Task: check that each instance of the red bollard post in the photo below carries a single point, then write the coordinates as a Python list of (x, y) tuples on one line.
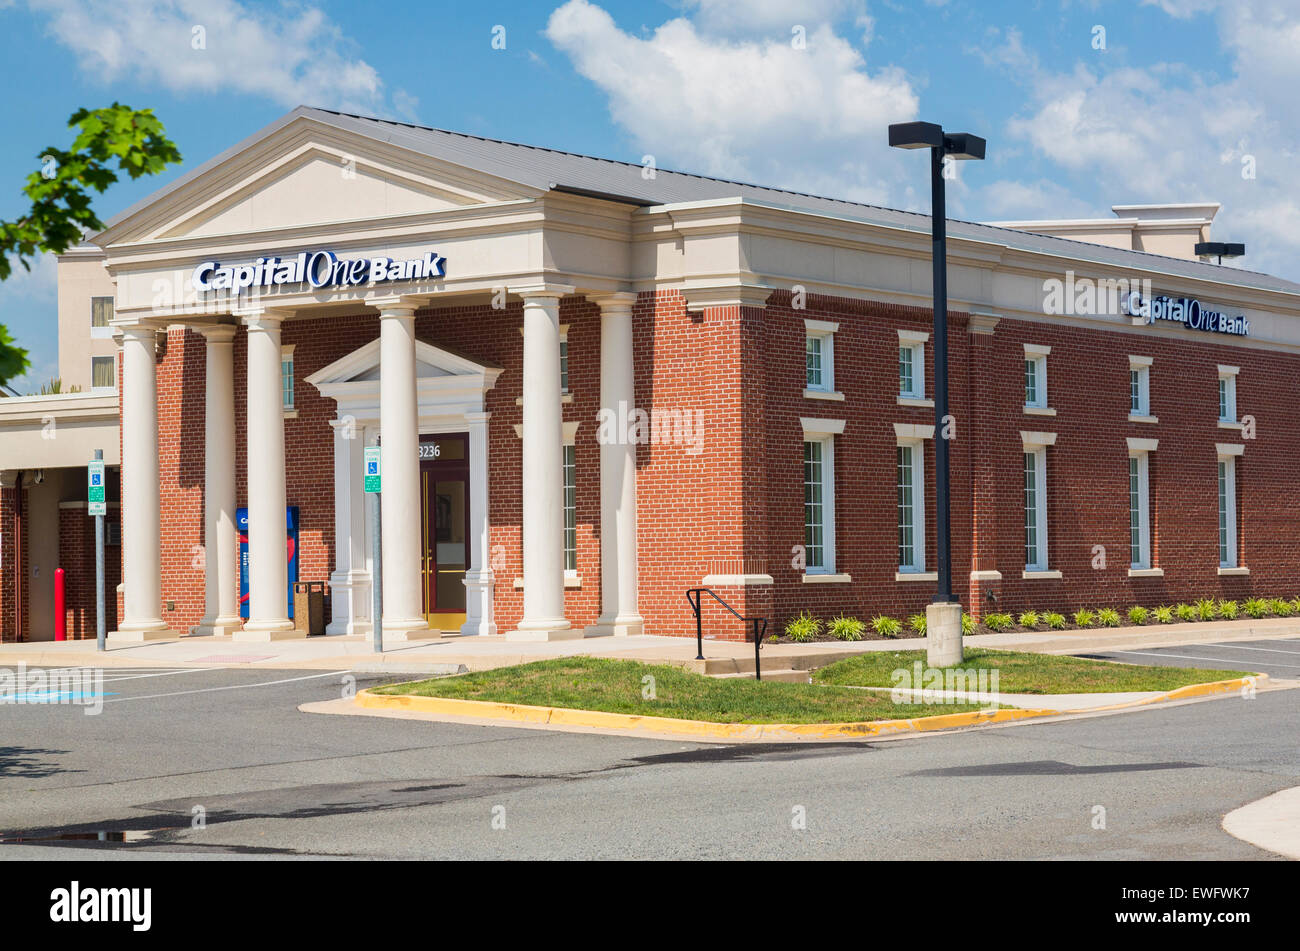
[(60, 615)]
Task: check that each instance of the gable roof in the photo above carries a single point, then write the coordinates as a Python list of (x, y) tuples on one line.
[(552, 170)]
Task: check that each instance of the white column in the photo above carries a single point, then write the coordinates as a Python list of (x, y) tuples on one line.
[(618, 581), (543, 472), (479, 579), (350, 580), (141, 518), (268, 568), (399, 440), (220, 537)]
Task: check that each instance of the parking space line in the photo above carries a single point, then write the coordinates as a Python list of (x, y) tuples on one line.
[(1214, 660), (267, 683)]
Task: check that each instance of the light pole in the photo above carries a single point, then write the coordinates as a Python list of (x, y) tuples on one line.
[(943, 616)]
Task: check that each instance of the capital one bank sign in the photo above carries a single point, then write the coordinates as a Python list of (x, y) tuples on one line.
[(319, 269), (1185, 310)]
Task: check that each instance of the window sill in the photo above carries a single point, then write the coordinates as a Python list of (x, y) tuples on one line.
[(1241, 570), (915, 401), (1039, 411), (826, 578), (1229, 424), (564, 398), (1035, 574), (1146, 572), (1135, 418), (811, 394), (291, 414), (570, 581), (916, 576)]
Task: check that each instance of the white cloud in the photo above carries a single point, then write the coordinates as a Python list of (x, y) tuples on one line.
[(756, 108), (1009, 200), (1167, 133), (290, 54)]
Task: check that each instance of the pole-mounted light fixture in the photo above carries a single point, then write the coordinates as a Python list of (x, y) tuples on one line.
[(1219, 249), (958, 145)]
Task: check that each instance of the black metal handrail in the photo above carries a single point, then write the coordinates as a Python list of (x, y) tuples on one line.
[(759, 632)]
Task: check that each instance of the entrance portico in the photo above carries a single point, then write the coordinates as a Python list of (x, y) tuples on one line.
[(273, 234)]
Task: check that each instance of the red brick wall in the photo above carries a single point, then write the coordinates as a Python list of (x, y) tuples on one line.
[(77, 559), (866, 502), (737, 506), (8, 569)]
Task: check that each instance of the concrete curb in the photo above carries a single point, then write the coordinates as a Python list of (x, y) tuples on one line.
[(1271, 823), (602, 721)]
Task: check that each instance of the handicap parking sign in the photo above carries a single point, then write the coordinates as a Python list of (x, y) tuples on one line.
[(372, 469)]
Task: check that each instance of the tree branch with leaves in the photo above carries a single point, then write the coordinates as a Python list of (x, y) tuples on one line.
[(110, 142)]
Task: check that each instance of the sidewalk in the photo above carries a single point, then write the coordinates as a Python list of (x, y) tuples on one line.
[(453, 654)]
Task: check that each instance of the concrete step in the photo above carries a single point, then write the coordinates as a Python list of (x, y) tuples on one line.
[(777, 675), (809, 660)]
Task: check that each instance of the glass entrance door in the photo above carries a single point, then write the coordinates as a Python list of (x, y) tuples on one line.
[(444, 505)]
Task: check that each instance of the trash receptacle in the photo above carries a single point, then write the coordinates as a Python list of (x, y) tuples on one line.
[(309, 607)]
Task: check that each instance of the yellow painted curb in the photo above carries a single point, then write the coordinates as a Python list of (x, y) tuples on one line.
[(601, 720)]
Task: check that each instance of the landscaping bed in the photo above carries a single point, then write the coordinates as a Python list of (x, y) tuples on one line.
[(1022, 672), (617, 686), (807, 628)]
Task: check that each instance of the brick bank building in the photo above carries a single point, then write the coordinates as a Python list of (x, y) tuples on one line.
[(594, 386)]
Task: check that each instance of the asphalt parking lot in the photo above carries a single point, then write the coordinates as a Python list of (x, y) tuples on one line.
[(1279, 659)]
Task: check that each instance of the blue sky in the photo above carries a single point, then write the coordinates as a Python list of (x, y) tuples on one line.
[(1182, 90)]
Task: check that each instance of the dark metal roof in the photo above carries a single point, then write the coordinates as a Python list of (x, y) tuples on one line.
[(550, 169)]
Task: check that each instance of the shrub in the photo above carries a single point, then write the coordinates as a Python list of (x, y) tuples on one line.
[(1281, 607), (1054, 621), (1228, 609), (998, 622), (917, 623), (846, 628), (1083, 617), (803, 628), (886, 626), (1206, 609), (1029, 619), (1164, 614), (1108, 617), (967, 625), (1185, 612), (1256, 607), (1138, 615), (1295, 605)]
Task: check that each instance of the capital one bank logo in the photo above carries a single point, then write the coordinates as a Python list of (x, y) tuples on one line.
[(318, 269)]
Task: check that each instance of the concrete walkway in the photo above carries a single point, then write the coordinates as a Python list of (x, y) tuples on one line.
[(452, 654)]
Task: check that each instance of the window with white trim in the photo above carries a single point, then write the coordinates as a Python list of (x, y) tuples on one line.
[(911, 364), (1227, 512), (911, 506), (819, 355), (814, 513), (286, 378), (101, 311), (1036, 376), (570, 508), (1035, 508), (564, 359), (819, 504), (103, 372), (1139, 380), (1227, 394), (1139, 511)]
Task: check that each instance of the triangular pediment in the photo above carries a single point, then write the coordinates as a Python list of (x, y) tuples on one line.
[(431, 363), (306, 173)]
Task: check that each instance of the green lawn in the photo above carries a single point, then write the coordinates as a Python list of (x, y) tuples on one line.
[(1020, 672), (590, 683)]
